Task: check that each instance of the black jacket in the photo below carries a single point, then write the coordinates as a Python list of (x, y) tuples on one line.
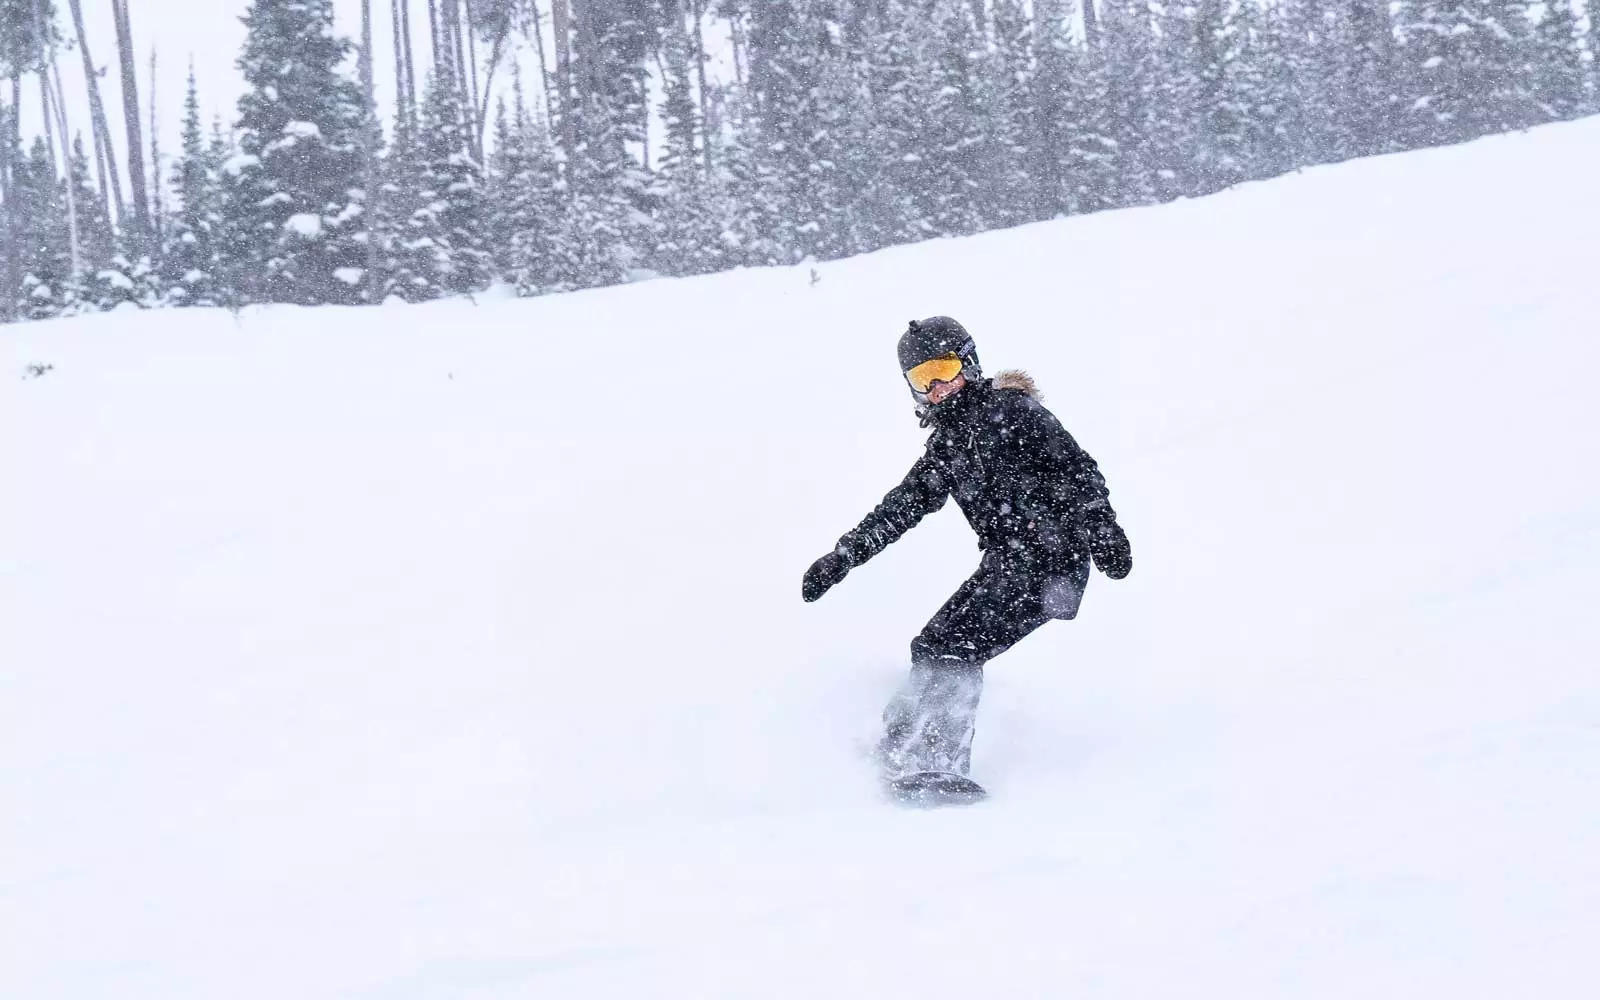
[(1023, 483)]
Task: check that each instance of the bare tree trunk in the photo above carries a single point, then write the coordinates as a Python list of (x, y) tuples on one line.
[(545, 82), (736, 26), (47, 110), (587, 46), (697, 11), (433, 32), (402, 112), (561, 15), (105, 155), (158, 204), (75, 244), (472, 67), (8, 173), (1091, 25), (45, 103), (469, 107), (130, 114), (488, 87), (369, 152), (75, 241), (411, 63)]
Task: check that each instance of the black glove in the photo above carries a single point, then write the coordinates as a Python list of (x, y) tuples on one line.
[(1108, 547), (822, 575)]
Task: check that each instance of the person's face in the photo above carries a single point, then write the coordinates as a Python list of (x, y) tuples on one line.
[(938, 392)]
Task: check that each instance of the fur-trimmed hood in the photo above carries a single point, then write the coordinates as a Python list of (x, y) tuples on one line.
[(1016, 378)]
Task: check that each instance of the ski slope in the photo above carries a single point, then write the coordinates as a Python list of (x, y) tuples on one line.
[(457, 651)]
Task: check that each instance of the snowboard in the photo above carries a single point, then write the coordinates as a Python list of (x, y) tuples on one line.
[(928, 789)]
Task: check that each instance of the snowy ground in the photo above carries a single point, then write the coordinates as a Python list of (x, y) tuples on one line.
[(457, 652)]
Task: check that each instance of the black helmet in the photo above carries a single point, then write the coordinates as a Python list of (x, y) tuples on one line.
[(936, 337)]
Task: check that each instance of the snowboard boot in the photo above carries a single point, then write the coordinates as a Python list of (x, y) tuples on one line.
[(928, 725)]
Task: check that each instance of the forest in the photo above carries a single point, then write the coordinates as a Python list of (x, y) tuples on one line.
[(611, 154)]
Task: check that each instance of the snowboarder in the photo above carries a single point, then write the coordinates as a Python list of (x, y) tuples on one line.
[(1040, 509)]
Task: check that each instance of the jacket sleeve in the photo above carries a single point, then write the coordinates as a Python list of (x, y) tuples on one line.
[(922, 492), (1076, 485)]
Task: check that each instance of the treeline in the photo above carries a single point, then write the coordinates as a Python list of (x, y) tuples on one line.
[(845, 126)]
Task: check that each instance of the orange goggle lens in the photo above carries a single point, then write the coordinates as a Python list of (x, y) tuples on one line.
[(943, 369)]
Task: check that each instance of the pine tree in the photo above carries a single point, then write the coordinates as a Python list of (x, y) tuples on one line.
[(1096, 161), (959, 115), (1222, 156), (1593, 104), (1469, 65), (787, 45), (1006, 197), (189, 264), (611, 222), (687, 240), (450, 217), (1363, 95), (1279, 52), (745, 199), (530, 201), (96, 238), (128, 280), (41, 237), (679, 115), (1128, 56), (1055, 83), (614, 201), (846, 190), (293, 195), (406, 228), (1559, 87)]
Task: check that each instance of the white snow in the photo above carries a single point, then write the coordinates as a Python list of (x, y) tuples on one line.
[(116, 279), (457, 651), (305, 224), (239, 163)]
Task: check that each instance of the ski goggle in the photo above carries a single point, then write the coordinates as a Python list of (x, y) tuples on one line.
[(943, 369)]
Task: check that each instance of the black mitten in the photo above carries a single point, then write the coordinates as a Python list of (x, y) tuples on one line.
[(822, 575), (1108, 547)]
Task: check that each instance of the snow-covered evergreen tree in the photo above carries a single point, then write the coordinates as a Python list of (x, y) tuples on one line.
[(1592, 8), (1096, 160), (41, 238), (1357, 74), (680, 117), (1175, 119), (1055, 83), (128, 280), (528, 205), (1133, 78), (959, 111), (1222, 112), (1468, 67), (293, 197), (745, 198), (1559, 87), (448, 221), (1007, 195), (789, 43), (189, 262), (96, 237), (687, 239)]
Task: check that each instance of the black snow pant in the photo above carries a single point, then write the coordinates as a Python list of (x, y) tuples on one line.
[(929, 723)]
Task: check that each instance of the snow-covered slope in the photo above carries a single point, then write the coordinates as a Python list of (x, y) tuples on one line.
[(458, 651)]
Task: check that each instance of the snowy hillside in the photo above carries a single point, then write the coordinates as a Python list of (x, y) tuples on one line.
[(458, 652)]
